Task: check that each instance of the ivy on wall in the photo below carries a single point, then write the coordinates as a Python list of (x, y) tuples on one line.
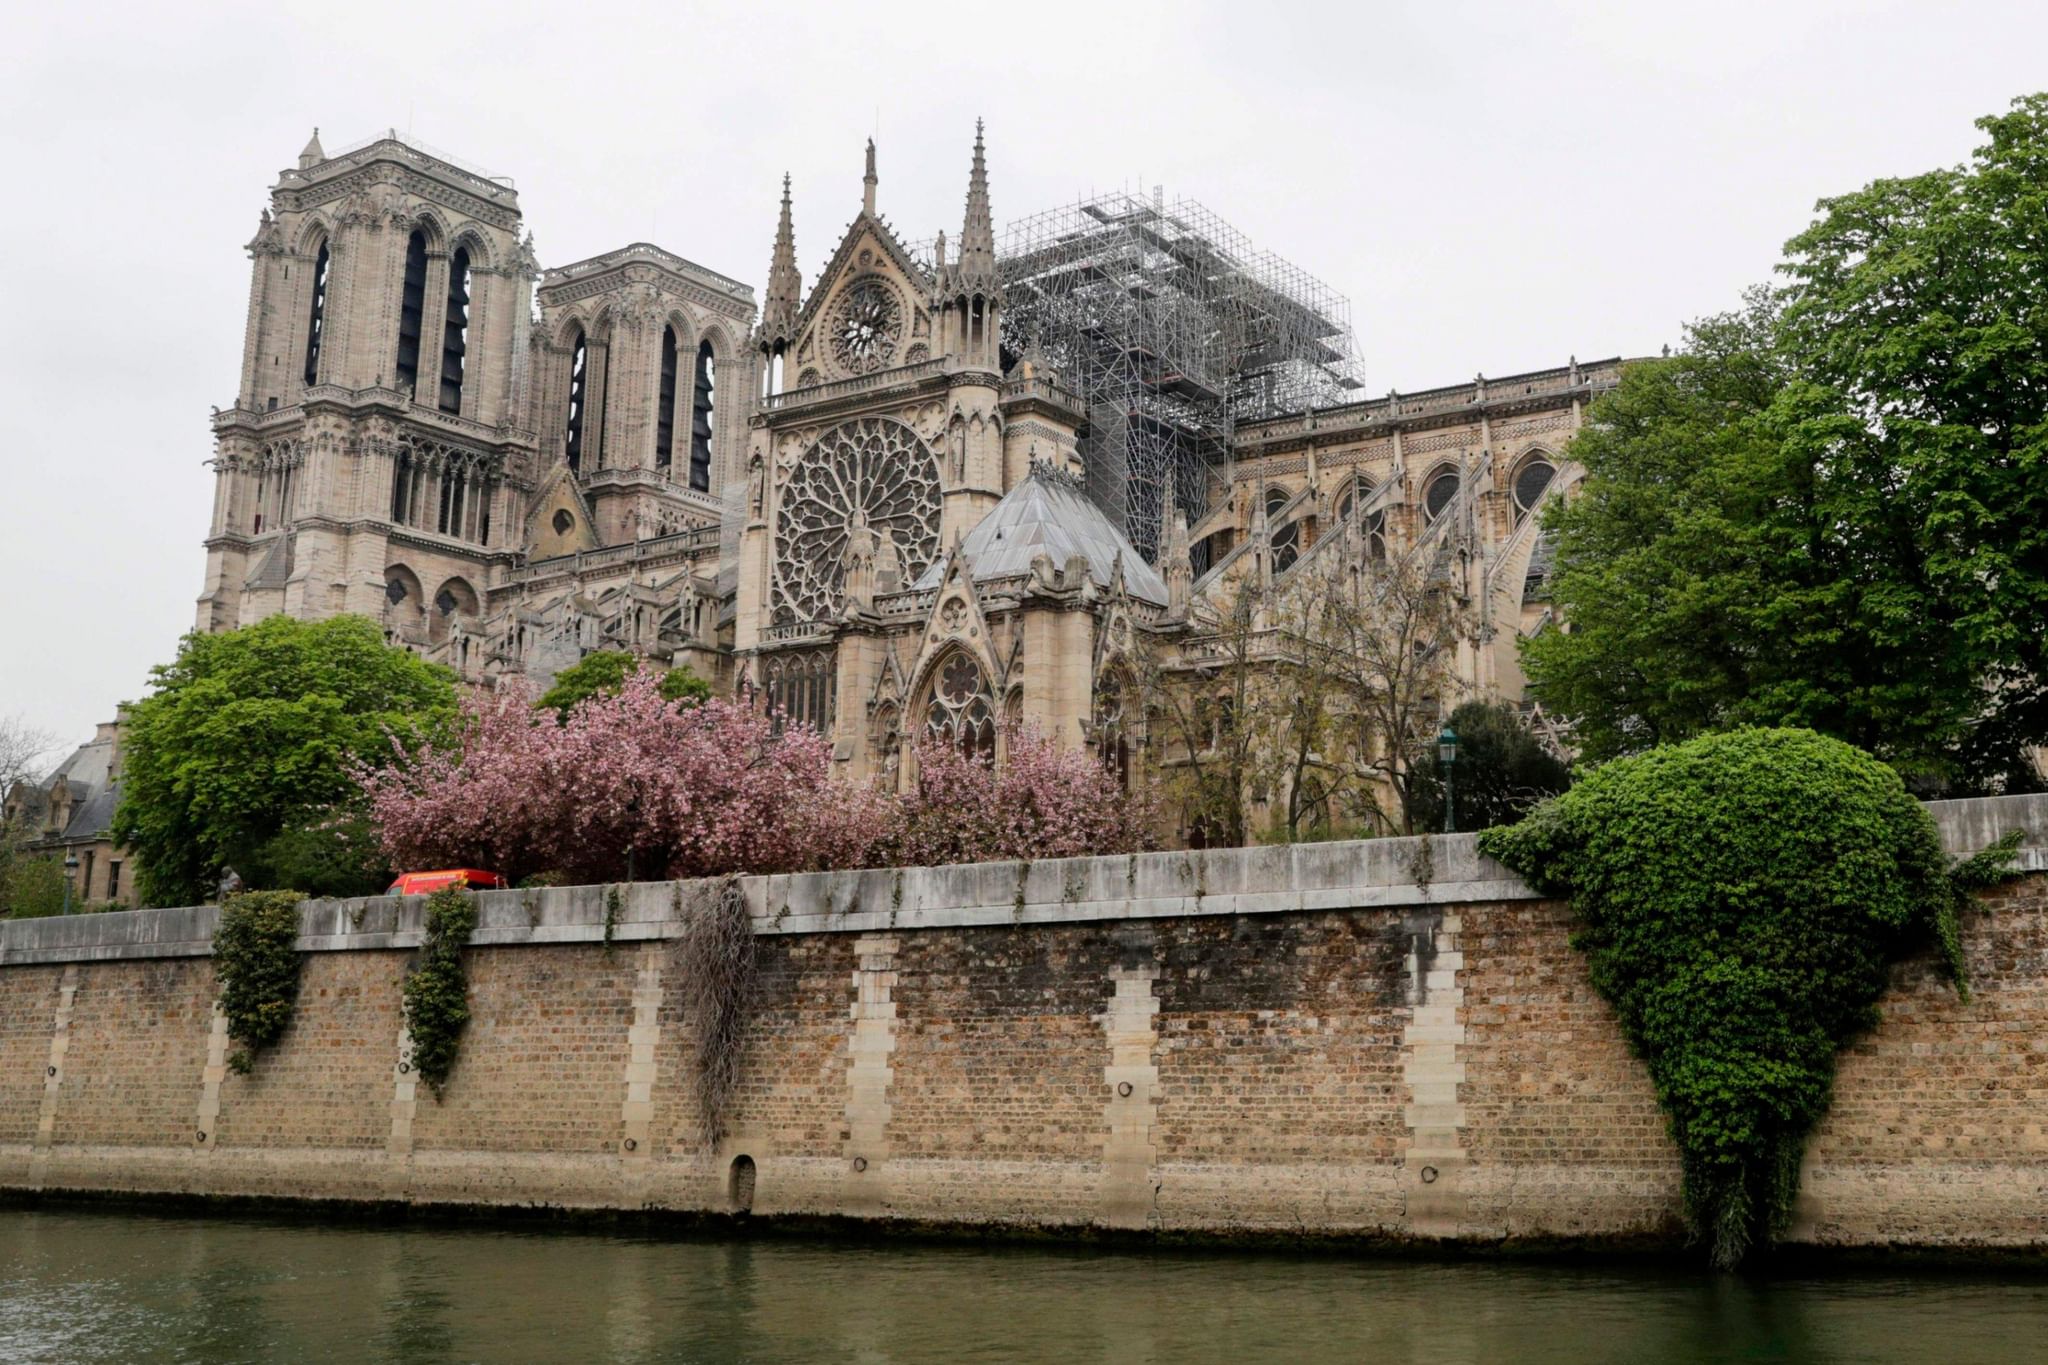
[(715, 961), (256, 962), (437, 989), (1740, 899)]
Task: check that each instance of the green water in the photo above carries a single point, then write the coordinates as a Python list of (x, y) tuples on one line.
[(93, 1286)]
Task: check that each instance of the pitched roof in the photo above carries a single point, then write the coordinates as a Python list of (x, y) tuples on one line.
[(1050, 514)]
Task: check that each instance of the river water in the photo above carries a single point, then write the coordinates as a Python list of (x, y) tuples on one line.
[(101, 1286)]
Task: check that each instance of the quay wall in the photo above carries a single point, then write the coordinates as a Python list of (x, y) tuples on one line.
[(1388, 1041)]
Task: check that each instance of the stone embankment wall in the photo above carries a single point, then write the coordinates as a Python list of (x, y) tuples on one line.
[(1377, 1040)]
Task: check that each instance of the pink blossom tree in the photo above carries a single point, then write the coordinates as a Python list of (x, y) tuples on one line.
[(1042, 801), (689, 790), (717, 787)]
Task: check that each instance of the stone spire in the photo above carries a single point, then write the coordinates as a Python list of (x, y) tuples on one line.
[(785, 282), (1176, 557), (314, 154), (867, 197), (978, 233)]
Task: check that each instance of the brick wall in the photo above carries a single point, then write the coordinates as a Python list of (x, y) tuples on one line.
[(1426, 1068)]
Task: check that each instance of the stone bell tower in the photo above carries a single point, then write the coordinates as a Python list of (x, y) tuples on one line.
[(375, 422)]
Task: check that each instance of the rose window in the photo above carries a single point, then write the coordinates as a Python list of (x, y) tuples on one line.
[(961, 712), (866, 324), (872, 465)]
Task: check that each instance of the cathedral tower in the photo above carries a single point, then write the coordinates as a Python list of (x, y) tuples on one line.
[(378, 402)]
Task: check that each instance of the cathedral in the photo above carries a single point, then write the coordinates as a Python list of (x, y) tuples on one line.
[(947, 485)]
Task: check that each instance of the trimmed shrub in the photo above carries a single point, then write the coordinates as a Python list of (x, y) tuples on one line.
[(1740, 899)]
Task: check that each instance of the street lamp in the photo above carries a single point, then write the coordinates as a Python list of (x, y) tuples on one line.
[(70, 876), (1447, 754)]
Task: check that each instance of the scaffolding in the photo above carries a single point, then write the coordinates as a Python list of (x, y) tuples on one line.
[(1174, 329)]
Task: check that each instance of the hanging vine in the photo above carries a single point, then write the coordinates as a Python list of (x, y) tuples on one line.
[(715, 961), (1740, 899), (256, 961), (437, 988)]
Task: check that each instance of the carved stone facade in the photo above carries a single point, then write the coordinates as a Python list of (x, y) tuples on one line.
[(859, 503)]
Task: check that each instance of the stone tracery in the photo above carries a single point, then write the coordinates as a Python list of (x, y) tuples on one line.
[(961, 711), (872, 465)]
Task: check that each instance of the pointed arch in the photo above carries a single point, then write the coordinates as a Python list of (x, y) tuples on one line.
[(412, 310), (1531, 478), (956, 702), (576, 385), (703, 413), (455, 327), (469, 237), (1440, 487), (318, 245)]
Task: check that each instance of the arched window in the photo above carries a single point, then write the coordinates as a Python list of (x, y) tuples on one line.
[(579, 379), (455, 335), (665, 412), (318, 320), (961, 712), (1286, 540), (412, 309), (1438, 495), (1374, 533), (405, 487), (1531, 481), (1112, 738), (700, 421)]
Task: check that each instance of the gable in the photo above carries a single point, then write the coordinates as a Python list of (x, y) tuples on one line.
[(559, 523), (869, 252)]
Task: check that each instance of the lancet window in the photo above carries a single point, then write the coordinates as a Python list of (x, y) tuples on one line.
[(803, 688), (962, 711), (445, 489), (665, 410), (1442, 489), (1531, 482), (579, 379), (455, 334), (1286, 540), (277, 470), (316, 322), (700, 420), (412, 310)]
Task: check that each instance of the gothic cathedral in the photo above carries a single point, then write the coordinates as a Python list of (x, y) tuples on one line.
[(952, 484)]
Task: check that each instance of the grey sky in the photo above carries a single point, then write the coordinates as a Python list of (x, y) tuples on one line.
[(1495, 186)]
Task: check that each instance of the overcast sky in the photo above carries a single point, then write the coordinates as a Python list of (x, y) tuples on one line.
[(1495, 186)]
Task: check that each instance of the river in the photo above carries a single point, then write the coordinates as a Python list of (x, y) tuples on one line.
[(85, 1286)]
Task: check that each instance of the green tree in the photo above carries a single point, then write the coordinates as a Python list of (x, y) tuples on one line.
[(1502, 770), (250, 733), (33, 886), (335, 854), (606, 671), (1831, 509)]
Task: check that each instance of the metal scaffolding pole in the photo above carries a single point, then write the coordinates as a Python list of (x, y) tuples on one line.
[(1174, 329)]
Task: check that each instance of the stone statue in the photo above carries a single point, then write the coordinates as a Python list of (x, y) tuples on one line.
[(857, 563)]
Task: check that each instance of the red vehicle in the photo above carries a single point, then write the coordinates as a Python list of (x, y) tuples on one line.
[(426, 883)]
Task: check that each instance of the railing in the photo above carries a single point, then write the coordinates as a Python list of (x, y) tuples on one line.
[(652, 255), (795, 631), (1594, 376), (697, 538), (882, 379), (412, 410), (412, 149)]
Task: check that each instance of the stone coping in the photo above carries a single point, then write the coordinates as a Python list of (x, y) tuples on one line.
[(1350, 875)]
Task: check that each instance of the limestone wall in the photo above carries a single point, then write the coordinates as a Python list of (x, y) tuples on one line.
[(1378, 1040)]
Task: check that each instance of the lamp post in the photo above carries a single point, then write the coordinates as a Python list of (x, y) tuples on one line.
[(70, 876), (1447, 754)]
